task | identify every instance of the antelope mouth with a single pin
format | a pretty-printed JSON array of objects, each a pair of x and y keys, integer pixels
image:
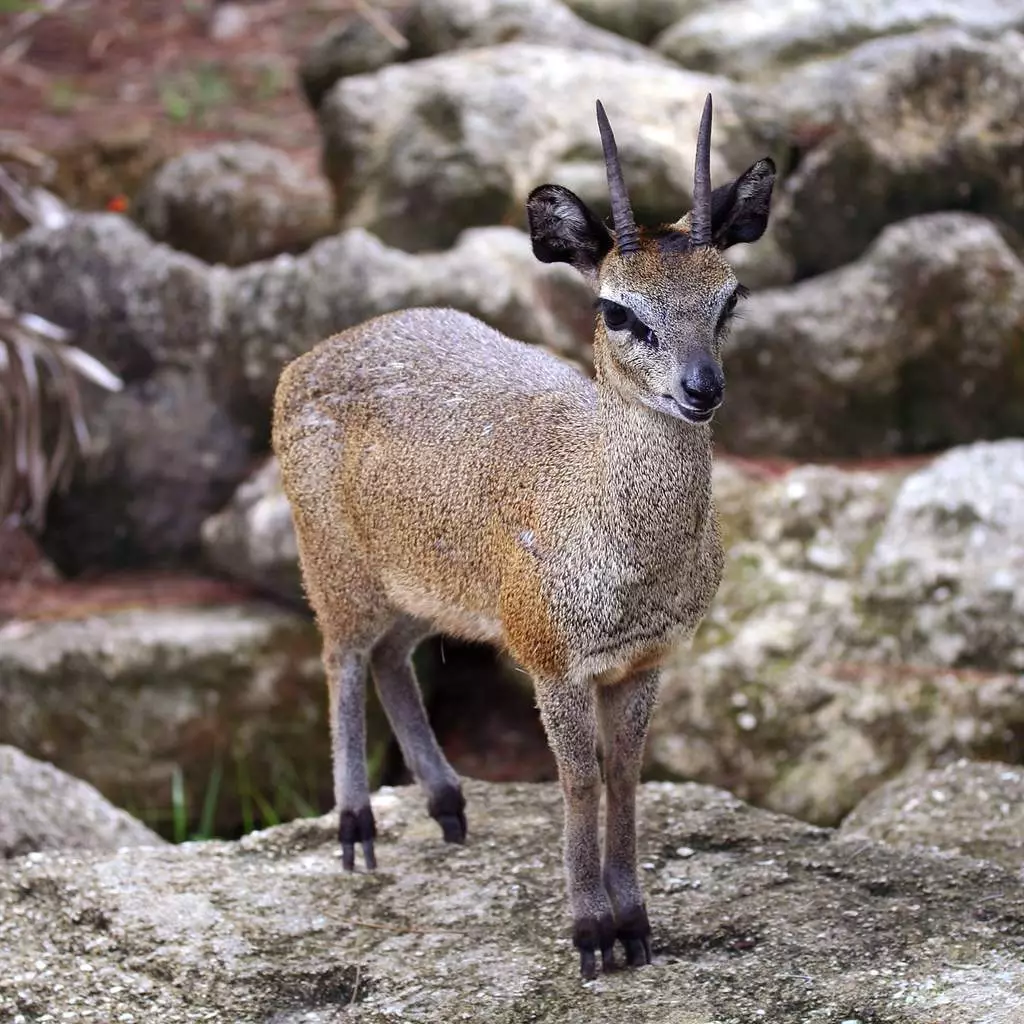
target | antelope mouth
[{"x": 690, "y": 413}]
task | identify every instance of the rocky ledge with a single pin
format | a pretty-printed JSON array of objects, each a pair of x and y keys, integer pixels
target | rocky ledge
[{"x": 757, "y": 917}]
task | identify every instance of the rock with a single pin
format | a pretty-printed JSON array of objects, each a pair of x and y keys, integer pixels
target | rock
[
  {"x": 235, "y": 203},
  {"x": 44, "y": 809},
  {"x": 279, "y": 309},
  {"x": 898, "y": 127},
  {"x": 231, "y": 696},
  {"x": 947, "y": 570},
  {"x": 749, "y": 925},
  {"x": 163, "y": 456},
  {"x": 804, "y": 689},
  {"x": 913, "y": 348},
  {"x": 431, "y": 27},
  {"x": 106, "y": 168},
  {"x": 201, "y": 347},
  {"x": 641, "y": 20},
  {"x": 355, "y": 47},
  {"x": 418, "y": 152},
  {"x": 741, "y": 39},
  {"x": 253, "y": 538},
  {"x": 21, "y": 558},
  {"x": 969, "y": 809}
]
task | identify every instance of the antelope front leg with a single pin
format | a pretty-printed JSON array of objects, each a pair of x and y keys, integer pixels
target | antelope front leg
[
  {"x": 567, "y": 710},
  {"x": 625, "y": 712},
  {"x": 346, "y": 681}
]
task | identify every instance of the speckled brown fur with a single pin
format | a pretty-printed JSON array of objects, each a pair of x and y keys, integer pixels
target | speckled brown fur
[{"x": 445, "y": 478}]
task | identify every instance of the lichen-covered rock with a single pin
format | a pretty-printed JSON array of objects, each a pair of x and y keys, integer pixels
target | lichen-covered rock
[
  {"x": 417, "y": 152},
  {"x": 279, "y": 309},
  {"x": 913, "y": 348},
  {"x": 124, "y": 698},
  {"x": 235, "y": 203},
  {"x": 804, "y": 689},
  {"x": 641, "y": 20},
  {"x": 751, "y": 912},
  {"x": 45, "y": 809},
  {"x": 431, "y": 27},
  {"x": 972, "y": 809},
  {"x": 947, "y": 570},
  {"x": 898, "y": 127},
  {"x": 253, "y": 538},
  {"x": 744, "y": 39}
]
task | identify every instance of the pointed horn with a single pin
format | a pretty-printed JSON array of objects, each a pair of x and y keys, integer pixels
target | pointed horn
[
  {"x": 700, "y": 218},
  {"x": 627, "y": 237}
]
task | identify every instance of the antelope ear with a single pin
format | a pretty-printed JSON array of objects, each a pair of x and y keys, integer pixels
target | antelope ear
[
  {"x": 739, "y": 210},
  {"x": 564, "y": 229}
]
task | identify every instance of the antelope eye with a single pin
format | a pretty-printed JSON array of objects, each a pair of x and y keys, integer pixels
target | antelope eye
[
  {"x": 731, "y": 304},
  {"x": 616, "y": 317}
]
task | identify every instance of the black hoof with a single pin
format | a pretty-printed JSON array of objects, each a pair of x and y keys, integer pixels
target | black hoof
[
  {"x": 590, "y": 935},
  {"x": 357, "y": 827},
  {"x": 448, "y": 808},
  {"x": 634, "y": 932}
]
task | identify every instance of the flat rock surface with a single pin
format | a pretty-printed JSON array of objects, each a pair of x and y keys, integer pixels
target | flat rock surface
[{"x": 756, "y": 918}]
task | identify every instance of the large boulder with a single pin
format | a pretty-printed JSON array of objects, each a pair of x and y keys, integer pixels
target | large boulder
[
  {"x": 819, "y": 673},
  {"x": 641, "y": 20},
  {"x": 418, "y": 152},
  {"x": 971, "y": 809},
  {"x": 913, "y": 348},
  {"x": 279, "y": 309},
  {"x": 897, "y": 127},
  {"x": 163, "y": 453},
  {"x": 45, "y": 809},
  {"x": 430, "y": 27},
  {"x": 742, "y": 39},
  {"x": 252, "y": 538},
  {"x": 229, "y": 697},
  {"x": 201, "y": 348},
  {"x": 235, "y": 203},
  {"x": 752, "y": 913}
]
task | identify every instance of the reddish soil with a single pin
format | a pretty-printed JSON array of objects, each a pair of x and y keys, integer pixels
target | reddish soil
[{"x": 71, "y": 70}]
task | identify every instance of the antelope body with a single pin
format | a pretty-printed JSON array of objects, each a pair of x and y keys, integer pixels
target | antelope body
[{"x": 445, "y": 478}]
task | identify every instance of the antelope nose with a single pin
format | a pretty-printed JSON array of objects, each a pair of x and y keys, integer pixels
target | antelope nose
[{"x": 703, "y": 386}]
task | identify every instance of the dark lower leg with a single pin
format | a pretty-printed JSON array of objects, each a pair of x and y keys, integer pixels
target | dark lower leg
[
  {"x": 567, "y": 710},
  {"x": 402, "y": 701},
  {"x": 625, "y": 712},
  {"x": 346, "y": 671}
]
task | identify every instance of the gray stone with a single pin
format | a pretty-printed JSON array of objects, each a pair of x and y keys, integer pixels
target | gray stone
[
  {"x": 913, "y": 348},
  {"x": 418, "y": 152},
  {"x": 279, "y": 309},
  {"x": 641, "y": 20},
  {"x": 812, "y": 680},
  {"x": 744, "y": 39},
  {"x": 124, "y": 698},
  {"x": 967, "y": 808},
  {"x": 947, "y": 570},
  {"x": 749, "y": 924},
  {"x": 432, "y": 27},
  {"x": 163, "y": 456},
  {"x": 898, "y": 127},
  {"x": 235, "y": 203},
  {"x": 44, "y": 809},
  {"x": 253, "y": 538}
]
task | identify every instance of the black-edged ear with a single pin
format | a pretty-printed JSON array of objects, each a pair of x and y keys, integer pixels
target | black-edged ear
[
  {"x": 563, "y": 229},
  {"x": 739, "y": 210}
]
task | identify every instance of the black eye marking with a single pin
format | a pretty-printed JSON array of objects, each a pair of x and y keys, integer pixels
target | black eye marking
[
  {"x": 621, "y": 318},
  {"x": 740, "y": 292}
]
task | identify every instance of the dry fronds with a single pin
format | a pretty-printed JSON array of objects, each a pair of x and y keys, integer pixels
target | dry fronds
[{"x": 42, "y": 423}]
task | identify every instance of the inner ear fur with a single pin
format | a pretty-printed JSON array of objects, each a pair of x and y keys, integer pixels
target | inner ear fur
[
  {"x": 563, "y": 229},
  {"x": 739, "y": 210}
]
